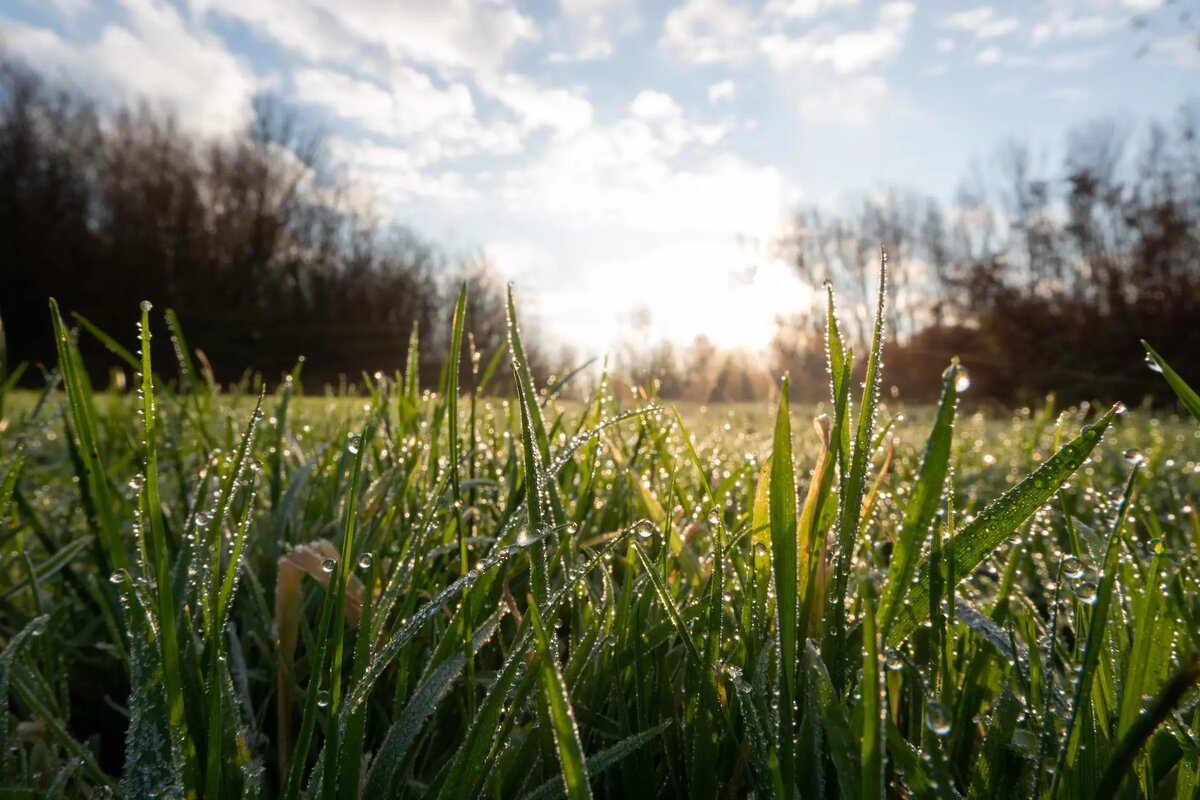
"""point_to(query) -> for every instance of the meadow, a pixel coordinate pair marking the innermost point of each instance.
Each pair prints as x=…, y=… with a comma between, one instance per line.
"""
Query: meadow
x=415, y=591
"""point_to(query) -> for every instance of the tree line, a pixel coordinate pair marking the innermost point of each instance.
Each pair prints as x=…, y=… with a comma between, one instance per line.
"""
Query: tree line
x=260, y=252
x=1041, y=275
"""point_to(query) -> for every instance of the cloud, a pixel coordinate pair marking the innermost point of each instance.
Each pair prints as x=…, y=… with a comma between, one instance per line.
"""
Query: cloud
x=585, y=29
x=561, y=110
x=650, y=171
x=983, y=22
x=722, y=91
x=709, y=32
x=805, y=9
x=396, y=176
x=1062, y=25
x=153, y=54
x=464, y=34
x=435, y=123
x=853, y=102
x=845, y=52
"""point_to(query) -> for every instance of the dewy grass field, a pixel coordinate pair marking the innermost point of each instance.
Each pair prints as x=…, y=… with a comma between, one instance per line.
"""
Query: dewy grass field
x=410, y=593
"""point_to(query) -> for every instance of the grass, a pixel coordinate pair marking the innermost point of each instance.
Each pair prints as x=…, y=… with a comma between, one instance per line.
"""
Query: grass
x=413, y=591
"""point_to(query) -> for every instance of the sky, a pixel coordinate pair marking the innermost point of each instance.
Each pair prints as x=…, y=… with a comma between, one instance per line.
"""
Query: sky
x=616, y=156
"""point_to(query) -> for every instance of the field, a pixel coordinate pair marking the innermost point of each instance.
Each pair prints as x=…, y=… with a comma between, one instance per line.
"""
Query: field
x=417, y=591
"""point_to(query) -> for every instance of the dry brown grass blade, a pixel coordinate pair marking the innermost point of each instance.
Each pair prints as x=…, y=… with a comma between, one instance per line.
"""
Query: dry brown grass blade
x=306, y=559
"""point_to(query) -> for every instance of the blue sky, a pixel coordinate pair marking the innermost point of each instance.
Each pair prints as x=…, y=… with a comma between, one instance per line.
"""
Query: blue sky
x=611, y=154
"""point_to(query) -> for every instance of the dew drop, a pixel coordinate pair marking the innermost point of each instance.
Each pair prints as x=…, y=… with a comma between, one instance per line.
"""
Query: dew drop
x=937, y=718
x=962, y=380
x=1152, y=363
x=353, y=442
x=644, y=529
x=323, y=698
x=329, y=564
x=1134, y=456
x=364, y=560
x=1072, y=567
x=146, y=306
x=1085, y=591
x=119, y=576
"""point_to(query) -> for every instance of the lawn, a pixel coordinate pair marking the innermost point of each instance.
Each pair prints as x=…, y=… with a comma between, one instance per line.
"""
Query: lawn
x=420, y=592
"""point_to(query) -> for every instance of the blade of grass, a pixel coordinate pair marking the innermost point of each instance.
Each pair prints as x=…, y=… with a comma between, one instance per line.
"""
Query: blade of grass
x=1185, y=393
x=923, y=502
x=781, y=502
x=83, y=417
x=558, y=708
x=157, y=552
x=996, y=523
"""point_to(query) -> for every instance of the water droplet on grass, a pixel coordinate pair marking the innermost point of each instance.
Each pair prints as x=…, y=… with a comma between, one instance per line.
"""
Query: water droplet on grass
x=1134, y=456
x=1072, y=567
x=323, y=698
x=329, y=564
x=364, y=560
x=937, y=718
x=353, y=442
x=119, y=576
x=1152, y=363
x=962, y=381
x=644, y=529
x=1085, y=591
x=146, y=306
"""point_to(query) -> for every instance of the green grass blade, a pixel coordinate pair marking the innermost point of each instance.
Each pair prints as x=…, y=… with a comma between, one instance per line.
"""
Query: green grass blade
x=923, y=502
x=609, y=757
x=159, y=561
x=854, y=485
x=997, y=522
x=1081, y=706
x=1155, y=714
x=1187, y=395
x=558, y=708
x=424, y=701
x=535, y=450
x=873, y=701
x=83, y=417
x=785, y=548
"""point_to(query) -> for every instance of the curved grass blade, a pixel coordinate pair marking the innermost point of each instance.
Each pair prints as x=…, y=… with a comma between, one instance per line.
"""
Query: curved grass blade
x=996, y=523
x=603, y=760
x=423, y=702
x=1081, y=705
x=562, y=718
x=1156, y=713
x=83, y=417
x=923, y=502
x=1187, y=395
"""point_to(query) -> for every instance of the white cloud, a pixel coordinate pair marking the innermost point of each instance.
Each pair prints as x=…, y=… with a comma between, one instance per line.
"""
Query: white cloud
x=709, y=32
x=845, y=52
x=983, y=22
x=652, y=105
x=989, y=56
x=436, y=123
x=647, y=174
x=1062, y=25
x=805, y=9
x=465, y=34
x=397, y=176
x=154, y=54
x=722, y=91
x=536, y=106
